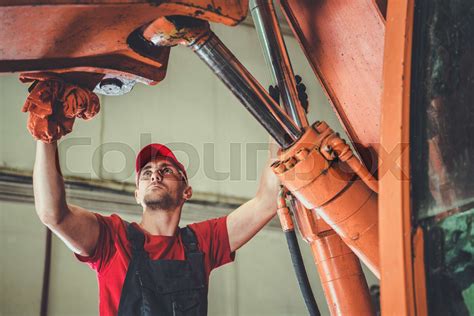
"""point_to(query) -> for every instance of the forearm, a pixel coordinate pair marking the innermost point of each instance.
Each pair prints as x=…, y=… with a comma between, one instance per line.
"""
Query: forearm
x=247, y=220
x=76, y=226
x=264, y=209
x=252, y=216
x=48, y=184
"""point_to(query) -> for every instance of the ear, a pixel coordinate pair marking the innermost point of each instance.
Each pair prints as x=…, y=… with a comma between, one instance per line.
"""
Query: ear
x=187, y=193
x=136, y=196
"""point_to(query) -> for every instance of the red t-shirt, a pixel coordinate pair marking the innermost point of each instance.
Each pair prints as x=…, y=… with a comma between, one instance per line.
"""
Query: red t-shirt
x=112, y=255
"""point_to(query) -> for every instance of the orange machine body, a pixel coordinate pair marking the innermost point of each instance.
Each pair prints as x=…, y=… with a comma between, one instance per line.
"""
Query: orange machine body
x=397, y=295
x=344, y=41
x=92, y=36
x=342, y=279
x=334, y=191
x=341, y=276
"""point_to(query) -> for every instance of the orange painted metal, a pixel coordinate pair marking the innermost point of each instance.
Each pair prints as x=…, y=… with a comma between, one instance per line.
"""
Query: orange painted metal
x=334, y=191
x=285, y=219
x=334, y=146
x=88, y=80
x=343, y=281
x=309, y=223
x=344, y=40
x=397, y=284
x=91, y=36
x=164, y=32
x=341, y=276
x=283, y=212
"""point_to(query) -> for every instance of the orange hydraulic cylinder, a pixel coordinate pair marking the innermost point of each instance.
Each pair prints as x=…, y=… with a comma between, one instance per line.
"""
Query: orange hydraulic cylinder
x=341, y=276
x=344, y=284
x=333, y=190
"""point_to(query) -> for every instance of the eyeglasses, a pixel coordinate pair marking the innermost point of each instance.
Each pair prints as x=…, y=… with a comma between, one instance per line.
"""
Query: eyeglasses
x=165, y=171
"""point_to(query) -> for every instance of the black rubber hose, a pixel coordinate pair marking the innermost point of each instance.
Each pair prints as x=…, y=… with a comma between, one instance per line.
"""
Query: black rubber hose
x=300, y=272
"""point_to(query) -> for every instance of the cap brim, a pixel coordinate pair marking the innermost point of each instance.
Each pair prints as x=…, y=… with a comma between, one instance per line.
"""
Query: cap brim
x=154, y=151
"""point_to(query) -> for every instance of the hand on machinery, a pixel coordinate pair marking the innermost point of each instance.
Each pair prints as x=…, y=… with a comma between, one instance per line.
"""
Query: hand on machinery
x=274, y=92
x=53, y=105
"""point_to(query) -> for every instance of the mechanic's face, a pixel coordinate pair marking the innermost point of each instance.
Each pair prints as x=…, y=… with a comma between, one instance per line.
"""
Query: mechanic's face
x=161, y=185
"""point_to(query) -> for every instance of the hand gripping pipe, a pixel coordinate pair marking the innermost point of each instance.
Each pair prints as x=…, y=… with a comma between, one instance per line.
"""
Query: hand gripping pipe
x=276, y=55
x=295, y=253
x=326, y=184
x=194, y=33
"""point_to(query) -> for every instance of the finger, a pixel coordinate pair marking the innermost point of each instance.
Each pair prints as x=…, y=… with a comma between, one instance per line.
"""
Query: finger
x=298, y=79
x=274, y=93
x=303, y=96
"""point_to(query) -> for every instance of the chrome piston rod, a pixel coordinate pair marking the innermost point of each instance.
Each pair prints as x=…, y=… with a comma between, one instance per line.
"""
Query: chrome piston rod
x=196, y=34
x=276, y=56
x=247, y=89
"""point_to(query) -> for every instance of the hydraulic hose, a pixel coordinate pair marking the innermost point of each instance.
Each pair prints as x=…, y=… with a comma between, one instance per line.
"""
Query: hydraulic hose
x=295, y=254
x=300, y=272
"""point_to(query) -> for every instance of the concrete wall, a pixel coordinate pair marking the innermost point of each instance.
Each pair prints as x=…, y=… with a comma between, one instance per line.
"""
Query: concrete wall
x=213, y=134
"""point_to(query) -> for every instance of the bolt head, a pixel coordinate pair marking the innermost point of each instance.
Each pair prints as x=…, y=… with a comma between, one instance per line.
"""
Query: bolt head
x=111, y=86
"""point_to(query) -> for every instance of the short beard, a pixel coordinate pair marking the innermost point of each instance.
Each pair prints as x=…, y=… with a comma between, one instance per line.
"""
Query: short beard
x=165, y=203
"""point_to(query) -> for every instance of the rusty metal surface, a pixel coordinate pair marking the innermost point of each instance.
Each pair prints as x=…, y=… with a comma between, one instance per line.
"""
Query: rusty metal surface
x=91, y=36
x=344, y=41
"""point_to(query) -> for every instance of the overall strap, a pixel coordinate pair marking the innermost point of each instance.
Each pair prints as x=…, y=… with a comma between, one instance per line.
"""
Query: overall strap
x=135, y=237
x=189, y=240
x=132, y=297
x=194, y=256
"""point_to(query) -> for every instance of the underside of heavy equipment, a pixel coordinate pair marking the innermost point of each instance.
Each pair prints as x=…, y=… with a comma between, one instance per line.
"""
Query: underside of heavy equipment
x=398, y=194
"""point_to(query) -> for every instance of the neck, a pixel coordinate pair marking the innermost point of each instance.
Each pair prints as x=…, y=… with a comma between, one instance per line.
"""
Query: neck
x=160, y=222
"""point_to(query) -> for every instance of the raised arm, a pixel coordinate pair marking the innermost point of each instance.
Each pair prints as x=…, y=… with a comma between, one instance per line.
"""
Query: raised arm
x=77, y=227
x=250, y=217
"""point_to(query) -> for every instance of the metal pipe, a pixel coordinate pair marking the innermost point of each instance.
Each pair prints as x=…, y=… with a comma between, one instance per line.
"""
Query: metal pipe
x=195, y=33
x=247, y=89
x=276, y=56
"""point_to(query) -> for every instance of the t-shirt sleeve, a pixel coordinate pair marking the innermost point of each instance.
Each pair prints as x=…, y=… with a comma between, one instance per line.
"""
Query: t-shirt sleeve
x=213, y=240
x=105, y=248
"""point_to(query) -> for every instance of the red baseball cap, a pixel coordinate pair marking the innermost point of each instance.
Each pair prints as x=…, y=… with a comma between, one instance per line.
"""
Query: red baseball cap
x=153, y=151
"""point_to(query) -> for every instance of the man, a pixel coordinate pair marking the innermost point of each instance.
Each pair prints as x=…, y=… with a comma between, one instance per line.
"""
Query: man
x=151, y=267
